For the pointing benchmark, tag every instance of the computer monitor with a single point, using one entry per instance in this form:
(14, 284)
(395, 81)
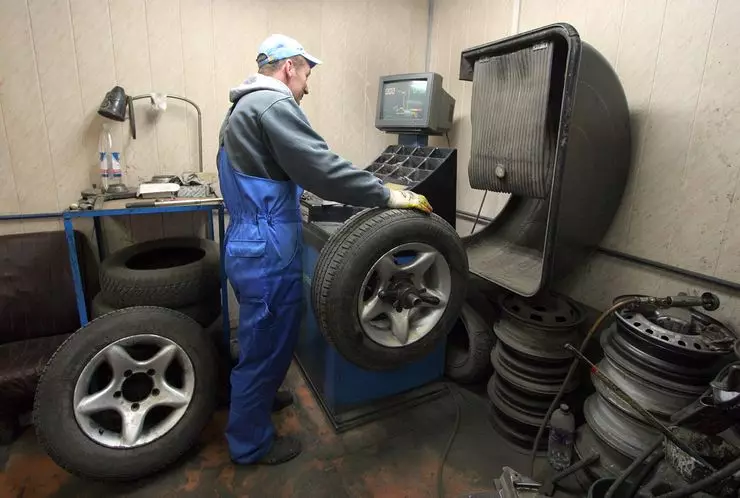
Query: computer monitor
(414, 103)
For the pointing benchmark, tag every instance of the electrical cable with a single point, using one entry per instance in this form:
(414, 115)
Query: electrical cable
(571, 371)
(480, 208)
(718, 476)
(446, 452)
(638, 461)
(650, 464)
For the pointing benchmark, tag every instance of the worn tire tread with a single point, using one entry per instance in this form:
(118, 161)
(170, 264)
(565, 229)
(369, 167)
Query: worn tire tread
(358, 230)
(113, 474)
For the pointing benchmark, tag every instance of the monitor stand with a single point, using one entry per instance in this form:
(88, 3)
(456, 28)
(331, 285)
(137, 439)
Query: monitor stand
(413, 140)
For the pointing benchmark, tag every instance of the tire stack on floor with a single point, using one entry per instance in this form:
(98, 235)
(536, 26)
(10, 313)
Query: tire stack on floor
(177, 273)
(469, 347)
(663, 359)
(531, 363)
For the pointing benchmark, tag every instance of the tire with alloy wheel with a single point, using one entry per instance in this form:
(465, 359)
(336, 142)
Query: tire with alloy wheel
(126, 395)
(389, 286)
(172, 272)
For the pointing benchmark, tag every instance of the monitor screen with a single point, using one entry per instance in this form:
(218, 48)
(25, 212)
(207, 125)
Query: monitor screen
(404, 100)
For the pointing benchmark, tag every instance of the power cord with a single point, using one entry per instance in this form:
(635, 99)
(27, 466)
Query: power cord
(477, 216)
(446, 452)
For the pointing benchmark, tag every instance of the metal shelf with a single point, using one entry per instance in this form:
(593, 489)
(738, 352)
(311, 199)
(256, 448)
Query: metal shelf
(118, 208)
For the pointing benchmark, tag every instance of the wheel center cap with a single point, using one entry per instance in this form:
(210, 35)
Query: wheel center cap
(403, 294)
(137, 387)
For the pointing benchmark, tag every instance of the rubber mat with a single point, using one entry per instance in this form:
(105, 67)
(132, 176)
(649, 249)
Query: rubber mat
(510, 144)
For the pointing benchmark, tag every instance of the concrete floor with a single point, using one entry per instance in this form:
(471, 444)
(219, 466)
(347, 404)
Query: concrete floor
(394, 457)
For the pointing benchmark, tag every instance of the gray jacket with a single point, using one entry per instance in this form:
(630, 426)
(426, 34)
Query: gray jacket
(268, 136)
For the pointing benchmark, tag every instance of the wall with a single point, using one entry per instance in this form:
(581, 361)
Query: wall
(58, 58)
(678, 61)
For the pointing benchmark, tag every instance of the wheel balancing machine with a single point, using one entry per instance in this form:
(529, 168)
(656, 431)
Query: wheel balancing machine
(352, 385)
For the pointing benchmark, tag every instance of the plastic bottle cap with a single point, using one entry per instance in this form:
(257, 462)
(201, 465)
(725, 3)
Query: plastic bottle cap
(565, 408)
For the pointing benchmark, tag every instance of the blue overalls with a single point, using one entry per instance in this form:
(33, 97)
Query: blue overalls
(263, 257)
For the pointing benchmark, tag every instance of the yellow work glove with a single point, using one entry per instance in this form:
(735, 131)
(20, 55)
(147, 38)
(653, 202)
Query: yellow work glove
(405, 199)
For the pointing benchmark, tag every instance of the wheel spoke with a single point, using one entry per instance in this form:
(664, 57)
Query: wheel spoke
(372, 309)
(386, 267)
(160, 361)
(119, 359)
(98, 402)
(170, 396)
(133, 425)
(420, 265)
(400, 325)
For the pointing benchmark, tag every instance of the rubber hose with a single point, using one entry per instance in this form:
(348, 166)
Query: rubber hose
(718, 476)
(638, 461)
(571, 372)
(650, 464)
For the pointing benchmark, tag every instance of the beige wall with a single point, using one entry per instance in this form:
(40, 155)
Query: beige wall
(59, 57)
(678, 61)
(675, 58)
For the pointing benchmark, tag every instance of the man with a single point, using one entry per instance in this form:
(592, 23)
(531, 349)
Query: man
(268, 154)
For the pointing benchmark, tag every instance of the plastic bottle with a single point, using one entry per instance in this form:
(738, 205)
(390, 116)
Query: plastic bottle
(560, 442)
(110, 165)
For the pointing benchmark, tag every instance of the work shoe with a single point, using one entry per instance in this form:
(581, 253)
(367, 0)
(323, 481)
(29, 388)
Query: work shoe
(284, 448)
(283, 399)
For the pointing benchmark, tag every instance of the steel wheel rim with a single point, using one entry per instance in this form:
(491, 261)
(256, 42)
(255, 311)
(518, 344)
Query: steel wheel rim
(126, 392)
(379, 320)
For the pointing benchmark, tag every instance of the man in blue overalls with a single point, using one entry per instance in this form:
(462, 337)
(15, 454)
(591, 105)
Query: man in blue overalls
(268, 153)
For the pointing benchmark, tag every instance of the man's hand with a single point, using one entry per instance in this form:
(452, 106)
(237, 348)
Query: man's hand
(405, 199)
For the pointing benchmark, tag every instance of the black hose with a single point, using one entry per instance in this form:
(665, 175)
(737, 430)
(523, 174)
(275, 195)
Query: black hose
(446, 452)
(651, 462)
(718, 476)
(638, 461)
(573, 367)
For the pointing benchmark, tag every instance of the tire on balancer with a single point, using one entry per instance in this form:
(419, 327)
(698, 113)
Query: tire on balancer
(172, 273)
(345, 261)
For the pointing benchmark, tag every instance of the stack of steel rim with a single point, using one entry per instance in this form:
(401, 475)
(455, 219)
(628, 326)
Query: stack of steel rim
(530, 362)
(663, 359)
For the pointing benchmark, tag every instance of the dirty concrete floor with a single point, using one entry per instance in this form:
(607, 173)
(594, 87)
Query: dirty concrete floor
(393, 457)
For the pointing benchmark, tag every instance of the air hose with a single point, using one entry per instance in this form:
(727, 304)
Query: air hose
(707, 300)
(622, 302)
(633, 466)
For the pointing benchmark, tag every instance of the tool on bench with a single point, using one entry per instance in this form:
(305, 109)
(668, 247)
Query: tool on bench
(646, 414)
(174, 202)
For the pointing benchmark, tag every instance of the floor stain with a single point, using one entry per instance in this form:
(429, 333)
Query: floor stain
(396, 457)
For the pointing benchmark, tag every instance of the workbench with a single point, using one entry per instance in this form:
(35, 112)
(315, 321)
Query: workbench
(118, 208)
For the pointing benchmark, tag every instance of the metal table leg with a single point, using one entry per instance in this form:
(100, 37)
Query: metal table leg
(224, 282)
(75, 267)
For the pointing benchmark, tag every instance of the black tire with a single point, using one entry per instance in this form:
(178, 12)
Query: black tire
(57, 429)
(469, 346)
(172, 273)
(204, 312)
(343, 264)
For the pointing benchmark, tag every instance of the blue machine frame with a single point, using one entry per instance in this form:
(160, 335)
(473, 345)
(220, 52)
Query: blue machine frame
(96, 214)
(349, 395)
